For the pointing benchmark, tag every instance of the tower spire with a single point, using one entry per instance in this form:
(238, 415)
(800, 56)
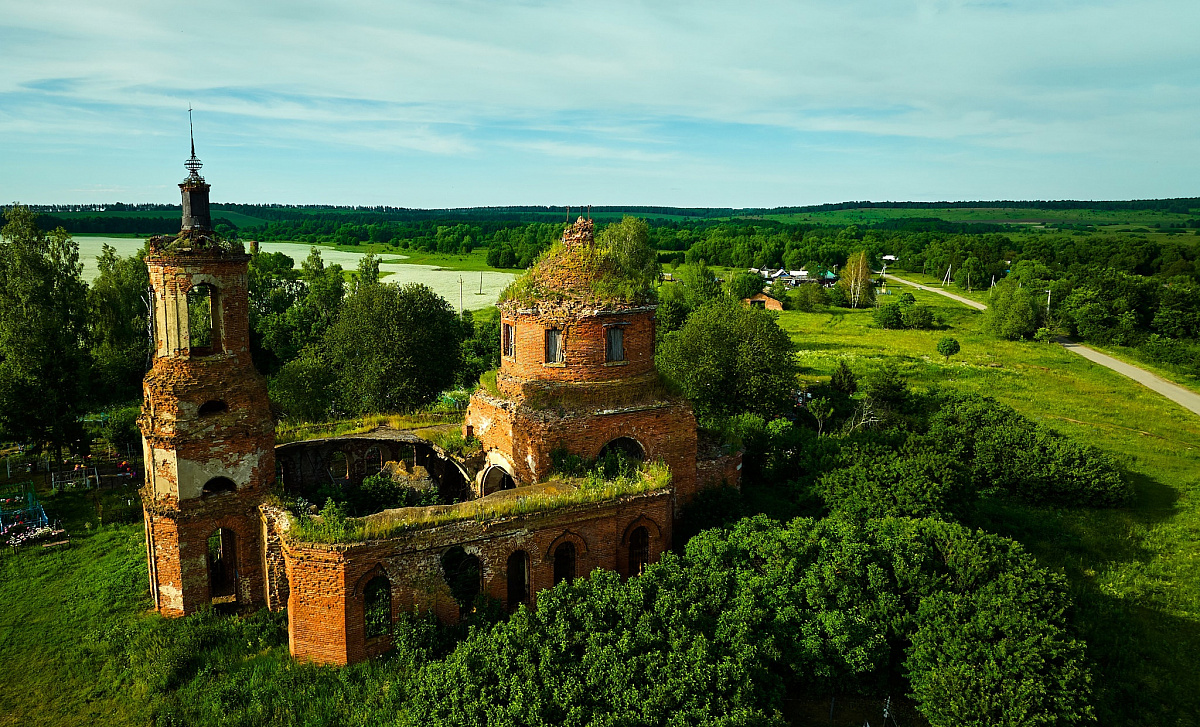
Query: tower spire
(192, 164)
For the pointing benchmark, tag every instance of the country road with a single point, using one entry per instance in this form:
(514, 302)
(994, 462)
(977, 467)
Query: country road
(1181, 396)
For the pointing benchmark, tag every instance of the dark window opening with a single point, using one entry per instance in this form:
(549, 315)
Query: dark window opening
(203, 330)
(217, 485)
(554, 348)
(509, 344)
(518, 579)
(497, 478)
(377, 607)
(215, 406)
(372, 461)
(222, 565)
(564, 563)
(639, 551)
(339, 466)
(614, 349)
(463, 575)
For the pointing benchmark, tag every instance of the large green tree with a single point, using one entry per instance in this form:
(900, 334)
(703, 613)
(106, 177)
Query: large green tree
(44, 361)
(390, 349)
(731, 358)
(117, 318)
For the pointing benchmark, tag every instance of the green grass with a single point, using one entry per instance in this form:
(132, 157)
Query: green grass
(1134, 572)
(53, 608)
(293, 431)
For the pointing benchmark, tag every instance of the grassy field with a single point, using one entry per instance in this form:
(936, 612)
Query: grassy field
(1134, 572)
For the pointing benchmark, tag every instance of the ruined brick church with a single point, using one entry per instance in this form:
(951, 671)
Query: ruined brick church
(576, 377)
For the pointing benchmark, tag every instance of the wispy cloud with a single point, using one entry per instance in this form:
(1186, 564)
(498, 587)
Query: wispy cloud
(721, 102)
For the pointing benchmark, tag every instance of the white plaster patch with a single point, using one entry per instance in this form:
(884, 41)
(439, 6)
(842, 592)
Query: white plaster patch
(170, 597)
(193, 475)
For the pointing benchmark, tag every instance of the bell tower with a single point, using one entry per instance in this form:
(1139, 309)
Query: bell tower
(207, 432)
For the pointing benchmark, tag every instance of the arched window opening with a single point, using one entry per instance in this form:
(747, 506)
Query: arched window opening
(463, 575)
(621, 456)
(222, 566)
(496, 478)
(372, 461)
(518, 579)
(339, 466)
(218, 485)
(639, 550)
(213, 406)
(203, 320)
(377, 607)
(564, 563)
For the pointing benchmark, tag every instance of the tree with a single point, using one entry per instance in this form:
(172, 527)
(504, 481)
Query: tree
(1013, 312)
(368, 270)
(970, 275)
(730, 358)
(856, 280)
(843, 379)
(809, 297)
(44, 362)
(393, 348)
(821, 410)
(117, 317)
(948, 347)
(742, 285)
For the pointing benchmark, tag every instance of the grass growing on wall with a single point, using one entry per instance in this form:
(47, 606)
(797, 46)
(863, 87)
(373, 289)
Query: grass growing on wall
(558, 492)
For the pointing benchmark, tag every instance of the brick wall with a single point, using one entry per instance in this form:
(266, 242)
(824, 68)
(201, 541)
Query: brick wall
(177, 550)
(584, 341)
(325, 614)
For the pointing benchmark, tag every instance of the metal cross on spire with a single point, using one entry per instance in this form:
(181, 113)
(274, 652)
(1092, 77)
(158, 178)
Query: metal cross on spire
(192, 164)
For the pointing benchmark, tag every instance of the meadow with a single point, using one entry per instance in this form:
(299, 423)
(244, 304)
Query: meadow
(1134, 572)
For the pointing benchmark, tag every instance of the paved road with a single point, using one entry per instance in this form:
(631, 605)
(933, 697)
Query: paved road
(1181, 396)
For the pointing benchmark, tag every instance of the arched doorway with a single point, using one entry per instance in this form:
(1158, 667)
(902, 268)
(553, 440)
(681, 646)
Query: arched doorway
(620, 456)
(222, 566)
(377, 607)
(496, 478)
(518, 579)
(564, 562)
(639, 550)
(463, 575)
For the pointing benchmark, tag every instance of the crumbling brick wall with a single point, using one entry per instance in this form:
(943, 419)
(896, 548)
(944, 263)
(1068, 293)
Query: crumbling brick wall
(325, 614)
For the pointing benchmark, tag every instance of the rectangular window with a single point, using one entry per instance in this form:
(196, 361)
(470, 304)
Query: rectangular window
(509, 347)
(614, 349)
(554, 349)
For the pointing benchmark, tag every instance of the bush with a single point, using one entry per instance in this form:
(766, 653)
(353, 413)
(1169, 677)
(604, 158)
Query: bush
(837, 296)
(1010, 454)
(876, 482)
(889, 315)
(948, 347)
(807, 297)
(917, 316)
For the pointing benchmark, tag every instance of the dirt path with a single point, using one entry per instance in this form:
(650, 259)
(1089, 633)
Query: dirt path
(1181, 396)
(939, 291)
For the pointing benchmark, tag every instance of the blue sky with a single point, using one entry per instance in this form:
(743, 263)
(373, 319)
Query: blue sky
(462, 103)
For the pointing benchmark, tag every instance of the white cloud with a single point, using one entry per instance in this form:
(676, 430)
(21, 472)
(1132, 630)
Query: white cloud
(623, 80)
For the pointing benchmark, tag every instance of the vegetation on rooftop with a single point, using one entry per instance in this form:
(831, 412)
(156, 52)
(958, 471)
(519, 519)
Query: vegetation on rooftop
(595, 485)
(619, 267)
